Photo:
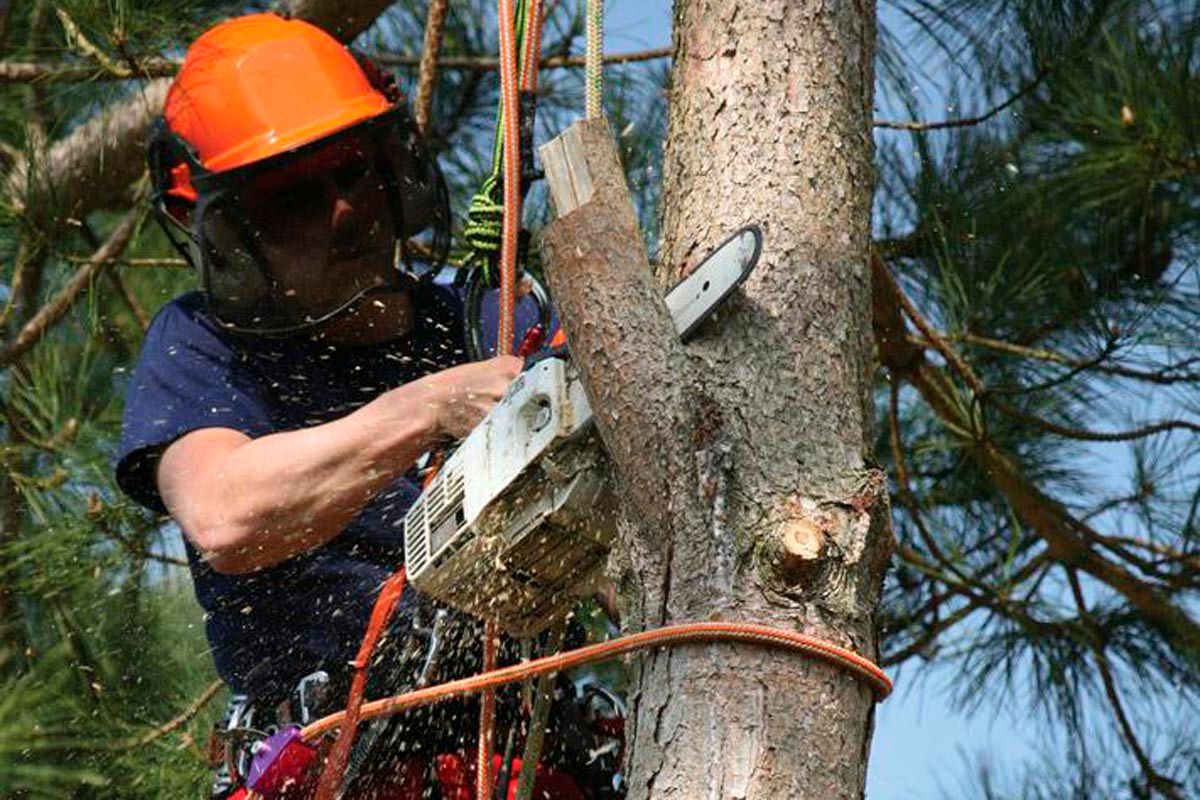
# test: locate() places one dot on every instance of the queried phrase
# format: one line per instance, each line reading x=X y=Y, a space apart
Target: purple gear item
x=281 y=764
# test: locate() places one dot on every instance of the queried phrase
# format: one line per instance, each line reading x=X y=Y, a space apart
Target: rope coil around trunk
x=672 y=636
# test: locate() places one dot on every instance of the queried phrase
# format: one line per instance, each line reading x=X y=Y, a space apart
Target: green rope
x=485 y=217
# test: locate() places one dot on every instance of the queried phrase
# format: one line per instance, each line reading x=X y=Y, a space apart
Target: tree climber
x=277 y=415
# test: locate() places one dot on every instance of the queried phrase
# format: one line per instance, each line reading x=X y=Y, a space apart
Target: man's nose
x=345 y=220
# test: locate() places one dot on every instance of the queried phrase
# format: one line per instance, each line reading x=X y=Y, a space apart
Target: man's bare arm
x=251 y=503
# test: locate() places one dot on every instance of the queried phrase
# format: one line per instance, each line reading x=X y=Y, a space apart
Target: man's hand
x=463 y=395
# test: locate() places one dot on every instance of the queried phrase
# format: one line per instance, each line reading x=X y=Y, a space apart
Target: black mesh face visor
x=276 y=248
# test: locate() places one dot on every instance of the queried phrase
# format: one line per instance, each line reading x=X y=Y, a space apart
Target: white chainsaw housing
x=521 y=515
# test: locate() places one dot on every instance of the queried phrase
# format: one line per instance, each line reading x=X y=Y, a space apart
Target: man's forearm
x=268 y=499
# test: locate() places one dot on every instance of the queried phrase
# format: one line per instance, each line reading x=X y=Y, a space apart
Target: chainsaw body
x=521 y=515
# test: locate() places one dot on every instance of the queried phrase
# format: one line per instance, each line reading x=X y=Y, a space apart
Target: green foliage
x=1053 y=248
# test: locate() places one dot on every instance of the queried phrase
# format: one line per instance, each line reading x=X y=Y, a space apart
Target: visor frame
x=167 y=149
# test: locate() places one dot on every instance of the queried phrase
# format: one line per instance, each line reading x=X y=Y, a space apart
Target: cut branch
x=611 y=311
x=600 y=276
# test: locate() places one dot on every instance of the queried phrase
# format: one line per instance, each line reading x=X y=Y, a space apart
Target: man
x=278 y=414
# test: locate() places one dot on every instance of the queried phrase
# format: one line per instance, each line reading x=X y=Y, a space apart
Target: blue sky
x=922 y=741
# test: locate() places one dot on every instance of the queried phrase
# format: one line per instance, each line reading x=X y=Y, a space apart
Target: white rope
x=593 y=77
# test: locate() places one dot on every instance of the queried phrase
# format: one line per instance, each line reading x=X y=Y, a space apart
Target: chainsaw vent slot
x=416 y=543
x=434 y=518
x=446 y=492
x=442 y=531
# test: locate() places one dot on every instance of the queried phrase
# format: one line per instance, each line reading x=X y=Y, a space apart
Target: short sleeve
x=187 y=378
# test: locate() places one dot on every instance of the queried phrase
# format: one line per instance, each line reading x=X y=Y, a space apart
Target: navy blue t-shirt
x=309 y=611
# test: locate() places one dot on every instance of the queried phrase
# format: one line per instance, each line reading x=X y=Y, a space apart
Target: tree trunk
x=745 y=455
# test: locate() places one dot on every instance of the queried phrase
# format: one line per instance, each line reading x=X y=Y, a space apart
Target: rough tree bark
x=745 y=455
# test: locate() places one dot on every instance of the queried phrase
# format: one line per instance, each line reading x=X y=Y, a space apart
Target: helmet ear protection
x=202 y=213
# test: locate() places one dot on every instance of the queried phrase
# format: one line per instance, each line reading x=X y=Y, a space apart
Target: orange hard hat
x=259 y=93
x=260 y=85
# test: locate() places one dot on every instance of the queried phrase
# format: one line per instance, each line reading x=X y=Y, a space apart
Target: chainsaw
x=521 y=516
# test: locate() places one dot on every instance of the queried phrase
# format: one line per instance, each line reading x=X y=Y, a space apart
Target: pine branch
x=90 y=167
x=1160 y=376
x=1083 y=434
x=157 y=67
x=139 y=263
x=1190 y=561
x=1160 y=783
x=138 y=551
x=967 y=121
x=79 y=42
x=940 y=343
x=1065 y=536
x=26 y=279
x=490 y=64
x=130 y=301
x=183 y=718
x=435 y=28
x=67 y=72
x=76 y=287
x=987 y=395
x=123 y=291
x=929 y=633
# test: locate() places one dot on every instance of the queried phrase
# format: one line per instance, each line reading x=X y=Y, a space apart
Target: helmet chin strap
x=314 y=322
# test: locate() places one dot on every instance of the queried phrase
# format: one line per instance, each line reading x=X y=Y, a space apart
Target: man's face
x=323 y=224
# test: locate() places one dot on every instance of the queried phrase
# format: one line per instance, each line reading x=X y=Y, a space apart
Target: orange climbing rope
x=511 y=221
x=335 y=764
x=670 y=636
x=532 y=46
